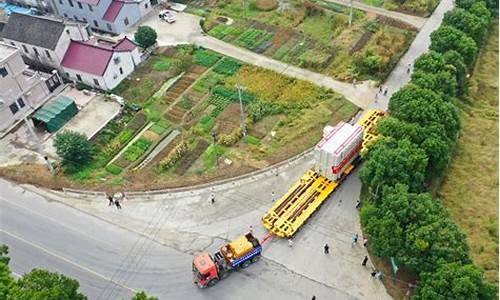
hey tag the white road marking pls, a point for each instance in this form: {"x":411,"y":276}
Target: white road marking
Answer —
{"x":68,"y":261}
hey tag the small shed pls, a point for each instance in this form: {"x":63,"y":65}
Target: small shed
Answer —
{"x":56,"y":113}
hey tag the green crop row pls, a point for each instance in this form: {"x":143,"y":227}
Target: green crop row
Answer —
{"x":227,"y":66}
{"x":206,"y":58}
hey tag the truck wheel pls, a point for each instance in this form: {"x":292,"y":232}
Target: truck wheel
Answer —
{"x":245,"y":264}
{"x":213,"y":282}
{"x":255,"y":258}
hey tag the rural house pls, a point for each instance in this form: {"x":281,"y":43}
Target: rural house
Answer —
{"x":100,"y":64}
{"x":43,"y":40}
{"x":22,"y":90}
{"x":114,"y":16}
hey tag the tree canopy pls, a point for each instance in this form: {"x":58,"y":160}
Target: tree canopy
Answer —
{"x":390,"y":161}
{"x":413,"y":104}
{"x":74,"y":149}
{"x":442,"y":82}
{"x":447,"y":38}
{"x":474,"y":26}
{"x":432,"y":139}
{"x":145,"y":36}
{"x":143,"y":296}
{"x":455,"y":281}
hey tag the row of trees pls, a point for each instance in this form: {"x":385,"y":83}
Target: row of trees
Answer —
{"x":403,"y":221}
{"x":41,"y":284}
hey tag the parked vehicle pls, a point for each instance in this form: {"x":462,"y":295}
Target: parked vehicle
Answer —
{"x":167,"y":15}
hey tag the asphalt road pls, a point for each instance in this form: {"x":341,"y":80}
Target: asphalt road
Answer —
{"x":112,"y":263}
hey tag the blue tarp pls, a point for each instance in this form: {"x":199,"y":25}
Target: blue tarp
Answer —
{"x":10,"y":8}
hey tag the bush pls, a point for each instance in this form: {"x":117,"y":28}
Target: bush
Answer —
{"x":113,"y":169}
{"x":231,"y":138}
{"x":174,"y":156}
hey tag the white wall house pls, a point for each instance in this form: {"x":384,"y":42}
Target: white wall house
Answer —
{"x":114,"y":16}
{"x":100,"y":65}
{"x":22,"y":90}
{"x":43,"y":40}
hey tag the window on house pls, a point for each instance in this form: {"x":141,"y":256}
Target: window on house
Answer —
{"x":84,"y":19}
{"x":116,"y":60}
{"x":70,"y":3}
{"x":109,"y":27}
{"x":20,"y":101}
{"x":79,"y":5}
{"x":90,"y":7}
{"x":48,"y":54}
{"x":125,"y":21}
{"x":36,"y":51}
{"x":65,"y":15}
{"x":96,"y":82}
{"x":78,"y":77}
{"x":66,"y":74}
{"x":13,"y":108}
{"x":75,"y":17}
{"x":3,"y":72}
{"x":25,"y":49}
{"x":96,"y":24}
{"x":146,"y":6}
{"x":121,"y":71}
{"x":60,"y":2}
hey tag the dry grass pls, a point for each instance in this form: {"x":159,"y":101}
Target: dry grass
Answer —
{"x":470,"y":189}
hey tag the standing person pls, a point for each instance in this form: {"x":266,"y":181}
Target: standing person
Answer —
{"x":373,"y":273}
{"x":380,"y":89}
{"x":354,"y":239}
{"x":313,"y":298}
{"x":290,"y":243}
{"x":365,"y":242}
{"x":118,"y":205}
{"x":354,"y":82}
{"x":110,"y":200}
{"x":250,"y":228}
{"x":365,"y":260}
{"x":212,"y":198}
{"x":376,"y":97}
{"x":386,"y":91}
{"x":326,"y":249}
{"x":358,"y":203}
{"x":273,"y":196}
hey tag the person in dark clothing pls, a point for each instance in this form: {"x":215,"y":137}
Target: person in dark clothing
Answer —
{"x":118,"y":205}
{"x":326,"y":249}
{"x":385,"y":91}
{"x":313,"y":298}
{"x":365,"y":260}
{"x":110,"y":199}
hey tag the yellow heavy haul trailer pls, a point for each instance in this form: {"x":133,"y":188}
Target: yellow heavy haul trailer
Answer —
{"x":336,"y":155}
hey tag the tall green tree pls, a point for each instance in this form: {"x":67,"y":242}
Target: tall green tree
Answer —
{"x":447,"y":38}
{"x":455,"y":281}
{"x":474,"y":26}
{"x":456,"y":65}
{"x":145,"y":36}
{"x":389,"y":162}
{"x":432,"y":139}
{"x":413,"y":104}
{"x":74,"y":149}
{"x":443,"y":82}
{"x":45,"y":285}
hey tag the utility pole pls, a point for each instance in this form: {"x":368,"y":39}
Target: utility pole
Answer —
{"x":39,"y":145}
{"x":350,"y":12}
{"x":242,"y":113}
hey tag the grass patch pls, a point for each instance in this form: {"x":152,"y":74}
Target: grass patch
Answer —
{"x":164,"y":63}
{"x":115,"y":170}
{"x":251,"y":140}
{"x":473,"y":200}
{"x":158,"y":129}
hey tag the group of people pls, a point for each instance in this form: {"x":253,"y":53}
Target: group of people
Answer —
{"x":115,"y":201}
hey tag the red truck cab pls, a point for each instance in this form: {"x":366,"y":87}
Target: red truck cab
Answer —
{"x":205,"y":270}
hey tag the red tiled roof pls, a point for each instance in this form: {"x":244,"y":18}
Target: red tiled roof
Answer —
{"x":91,"y":2}
{"x":124,"y":45}
{"x":113,"y":11}
{"x":87,"y":58}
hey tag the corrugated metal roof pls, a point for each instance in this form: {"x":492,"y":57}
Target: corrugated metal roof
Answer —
{"x":53,"y":108}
